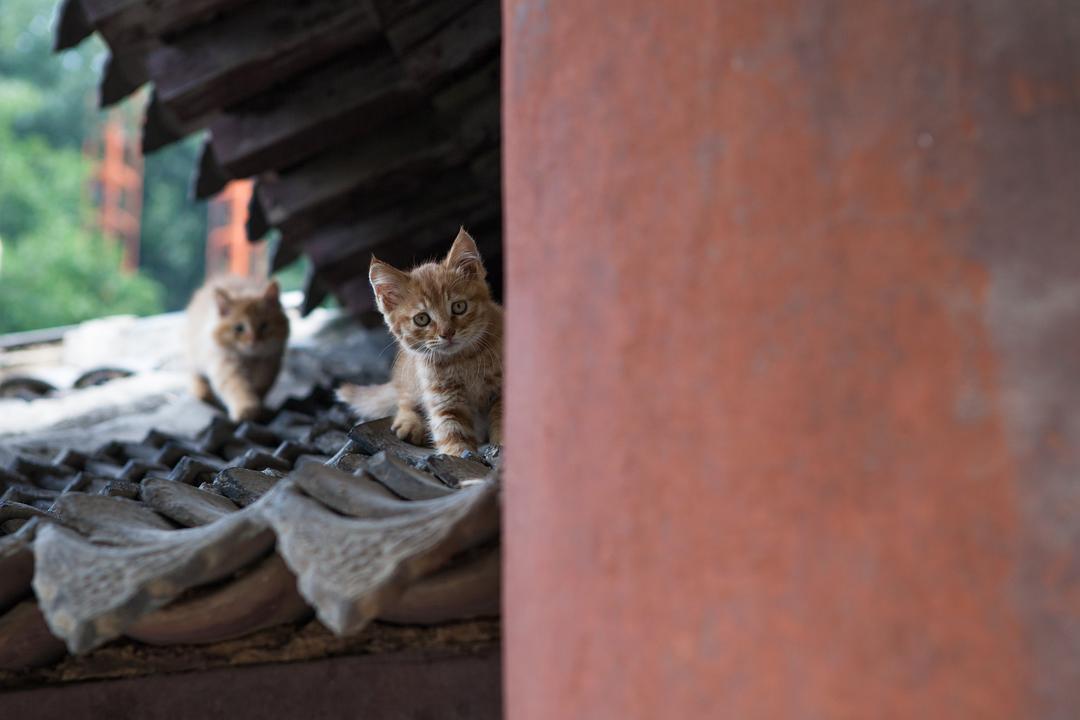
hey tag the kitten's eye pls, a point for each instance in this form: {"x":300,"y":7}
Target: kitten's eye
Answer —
{"x":421,"y":319}
{"x":459,"y":307}
{"x":238,"y":328}
{"x":262,"y":328}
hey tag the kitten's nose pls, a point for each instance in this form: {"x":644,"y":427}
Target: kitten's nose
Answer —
{"x":447,"y":334}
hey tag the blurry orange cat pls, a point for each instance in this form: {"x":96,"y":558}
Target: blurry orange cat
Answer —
{"x":237,"y":332}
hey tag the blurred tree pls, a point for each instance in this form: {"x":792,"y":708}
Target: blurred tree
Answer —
{"x":54,"y":269}
{"x":173,"y":250}
{"x":66,"y":85}
{"x":46,"y":282}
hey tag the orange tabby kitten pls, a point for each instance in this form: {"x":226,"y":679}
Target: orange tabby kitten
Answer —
{"x":448,"y":375}
{"x":236,"y":338}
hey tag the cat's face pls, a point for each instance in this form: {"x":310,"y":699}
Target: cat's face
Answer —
{"x":251,"y":326}
{"x":437,"y":309}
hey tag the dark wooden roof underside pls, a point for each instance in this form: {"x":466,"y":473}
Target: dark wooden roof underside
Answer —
{"x":370,"y":126}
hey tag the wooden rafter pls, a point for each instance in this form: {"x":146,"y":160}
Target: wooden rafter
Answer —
{"x":363,"y":121}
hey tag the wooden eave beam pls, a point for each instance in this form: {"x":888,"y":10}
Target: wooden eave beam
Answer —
{"x":72,"y":27}
{"x":224,"y":63}
{"x":129,"y":22}
{"x":342,"y":99}
{"x":379,"y":165}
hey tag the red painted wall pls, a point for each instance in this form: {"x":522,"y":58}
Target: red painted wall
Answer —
{"x":793,"y":359}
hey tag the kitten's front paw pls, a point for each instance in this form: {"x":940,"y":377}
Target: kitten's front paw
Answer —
{"x":240,"y":413}
{"x":409,"y":428}
{"x":200,"y":388}
{"x":477,"y":456}
{"x":458,"y":449}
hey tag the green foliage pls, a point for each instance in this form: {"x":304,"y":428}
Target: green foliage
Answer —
{"x":38,"y":182}
{"x":54,"y":269}
{"x":173,"y":228}
{"x":66,"y":85}
{"x":44,"y":283}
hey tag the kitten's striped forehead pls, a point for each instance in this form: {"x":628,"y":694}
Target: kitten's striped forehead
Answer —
{"x":434,"y":283}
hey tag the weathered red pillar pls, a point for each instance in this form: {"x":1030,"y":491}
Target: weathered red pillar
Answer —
{"x":793,"y":359}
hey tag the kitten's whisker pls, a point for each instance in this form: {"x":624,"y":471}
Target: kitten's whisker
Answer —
{"x":389,"y":345}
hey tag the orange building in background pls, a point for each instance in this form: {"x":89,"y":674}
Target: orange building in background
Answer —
{"x":227,"y":246}
{"x":118,"y":184}
{"x":116,"y":192}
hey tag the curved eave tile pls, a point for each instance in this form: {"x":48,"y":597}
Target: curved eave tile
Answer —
{"x":27,"y":640}
{"x":91,"y":593}
{"x":16,"y":564}
{"x":350,"y":568}
{"x":264,"y":597}
{"x":462,"y":591}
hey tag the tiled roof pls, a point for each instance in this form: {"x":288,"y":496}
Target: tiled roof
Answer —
{"x":173,"y":539}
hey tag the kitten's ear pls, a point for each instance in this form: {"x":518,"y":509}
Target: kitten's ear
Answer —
{"x":223,"y":301}
{"x":388,"y":283}
{"x":464,"y":256}
{"x":272,"y":293}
